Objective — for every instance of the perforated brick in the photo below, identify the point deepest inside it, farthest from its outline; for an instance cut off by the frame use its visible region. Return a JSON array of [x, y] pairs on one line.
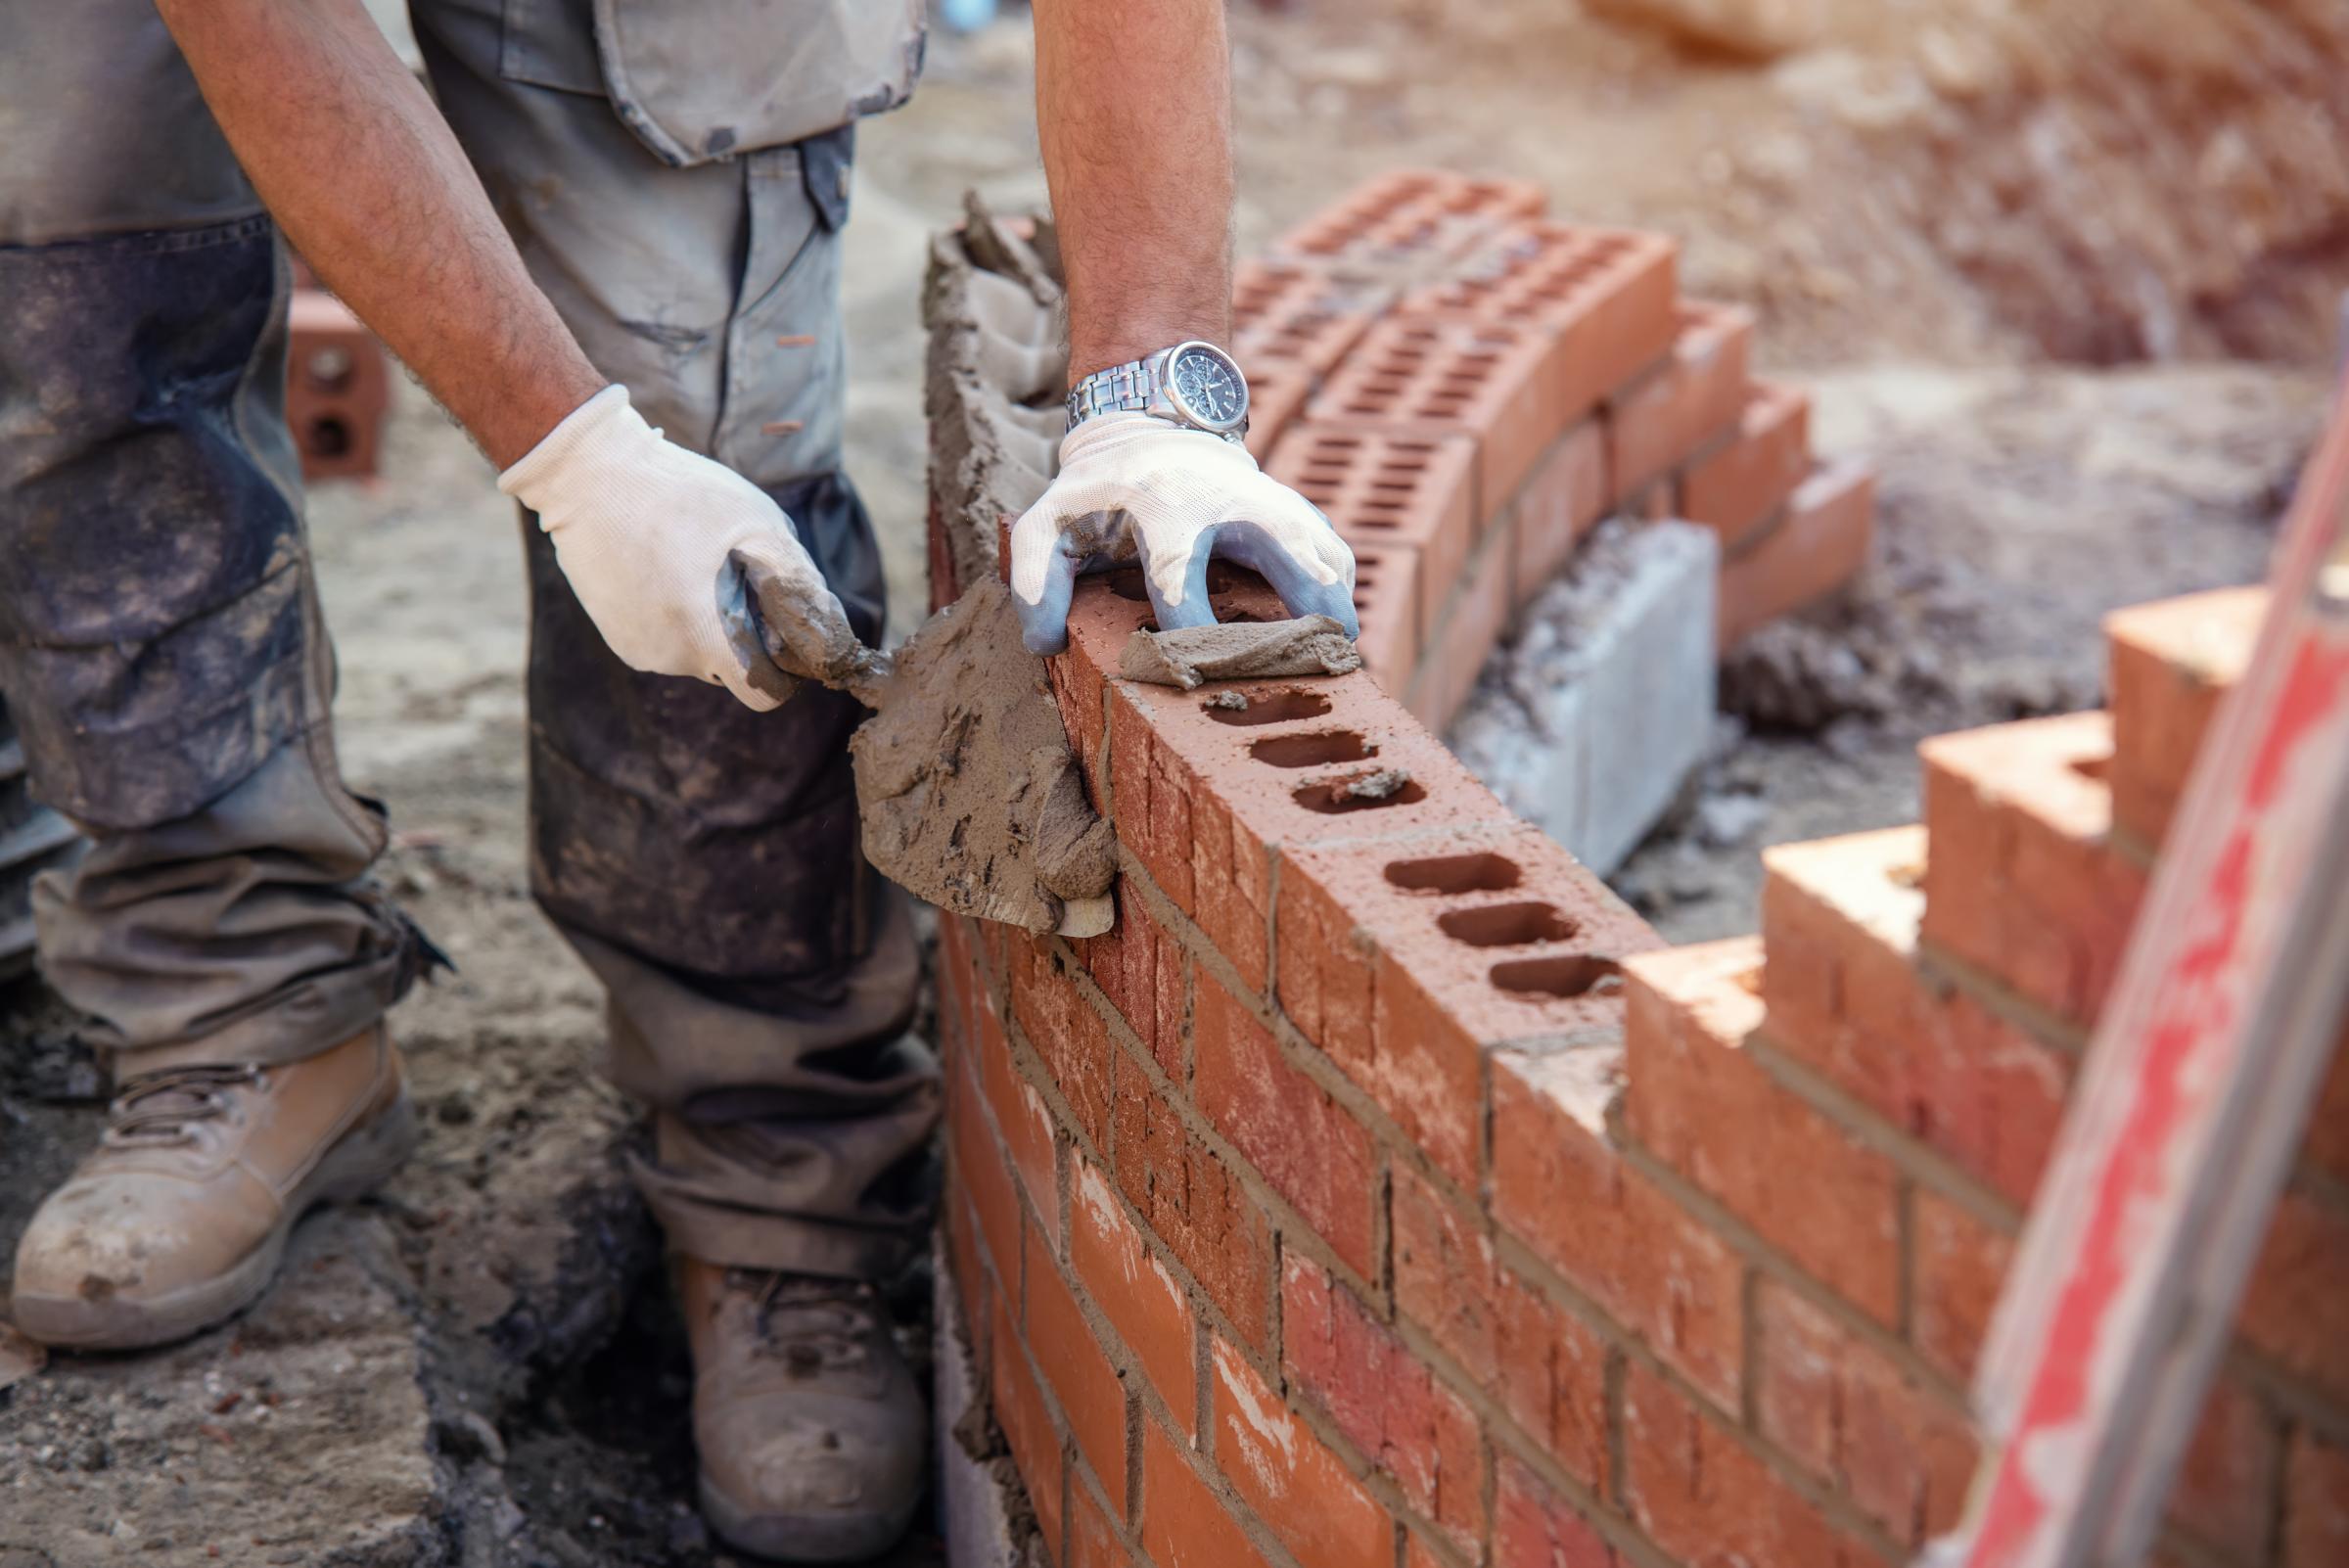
[[1385, 597], [1412, 219], [1300, 314], [1735, 490], [1601, 298], [1430, 379], [1402, 492]]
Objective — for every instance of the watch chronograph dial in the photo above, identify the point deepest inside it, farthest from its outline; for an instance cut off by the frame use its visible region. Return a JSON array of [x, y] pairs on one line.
[[1209, 385]]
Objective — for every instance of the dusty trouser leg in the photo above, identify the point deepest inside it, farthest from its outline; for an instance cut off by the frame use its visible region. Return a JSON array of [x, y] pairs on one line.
[[702, 857], [160, 648], [161, 654]]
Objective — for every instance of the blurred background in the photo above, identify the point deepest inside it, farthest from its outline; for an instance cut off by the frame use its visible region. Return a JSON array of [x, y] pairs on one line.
[[2069, 271]]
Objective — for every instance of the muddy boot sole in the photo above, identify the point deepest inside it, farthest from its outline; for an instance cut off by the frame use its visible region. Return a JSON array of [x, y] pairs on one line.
[[358, 1162]]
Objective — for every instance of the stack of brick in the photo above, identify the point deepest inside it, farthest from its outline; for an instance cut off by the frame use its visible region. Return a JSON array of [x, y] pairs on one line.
[[1380, 1191], [1466, 387]]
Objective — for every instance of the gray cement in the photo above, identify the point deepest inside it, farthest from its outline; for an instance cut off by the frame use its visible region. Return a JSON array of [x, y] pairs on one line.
[[1589, 719]]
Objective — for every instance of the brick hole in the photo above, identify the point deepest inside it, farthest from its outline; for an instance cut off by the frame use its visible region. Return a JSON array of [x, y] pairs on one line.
[[1314, 750], [1507, 925], [1249, 708], [1393, 488], [1127, 583], [1337, 797], [326, 436], [1566, 976], [1485, 872]]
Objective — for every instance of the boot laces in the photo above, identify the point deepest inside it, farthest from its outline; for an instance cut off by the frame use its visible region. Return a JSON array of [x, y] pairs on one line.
[[811, 1322], [161, 1108]]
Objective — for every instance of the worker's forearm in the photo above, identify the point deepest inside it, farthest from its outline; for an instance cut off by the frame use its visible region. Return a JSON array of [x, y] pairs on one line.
[[366, 180], [1133, 102]]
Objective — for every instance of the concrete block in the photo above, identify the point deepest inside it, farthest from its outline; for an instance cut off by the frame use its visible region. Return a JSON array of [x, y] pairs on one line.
[[1588, 721]]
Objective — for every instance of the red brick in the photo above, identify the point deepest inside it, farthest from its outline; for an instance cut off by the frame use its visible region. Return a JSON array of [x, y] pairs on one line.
[[1690, 401], [1192, 1203], [981, 1174], [2327, 1146], [1023, 1121], [1092, 1537], [338, 389], [957, 989], [2022, 882], [1390, 492], [1141, 968], [1406, 963], [1206, 794], [1736, 489], [1090, 1394], [1557, 1183], [2170, 663], [1844, 995], [1307, 1146], [1547, 1367], [1818, 545], [969, 1269], [1404, 219], [1277, 395], [1842, 1406], [2296, 1309], [1290, 1478], [1386, 598], [1384, 1400], [1568, 493], [1183, 1524], [1064, 1029], [2316, 1505], [1604, 299], [1135, 1293], [1533, 1527], [1300, 312], [1019, 1408], [2227, 1486], [1710, 1111], [1703, 1497], [1960, 1264], [1461, 630], [1429, 379]]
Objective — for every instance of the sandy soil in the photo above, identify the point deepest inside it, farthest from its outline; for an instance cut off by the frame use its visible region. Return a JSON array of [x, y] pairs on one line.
[[479, 1369]]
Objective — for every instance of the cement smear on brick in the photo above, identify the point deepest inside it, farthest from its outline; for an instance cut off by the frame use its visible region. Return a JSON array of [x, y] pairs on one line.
[[969, 791], [1592, 717], [1241, 650]]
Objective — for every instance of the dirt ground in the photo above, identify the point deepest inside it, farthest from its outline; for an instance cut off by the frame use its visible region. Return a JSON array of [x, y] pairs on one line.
[[479, 1368]]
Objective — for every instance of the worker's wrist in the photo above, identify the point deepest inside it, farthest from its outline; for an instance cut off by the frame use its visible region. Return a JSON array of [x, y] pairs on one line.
[[531, 413]]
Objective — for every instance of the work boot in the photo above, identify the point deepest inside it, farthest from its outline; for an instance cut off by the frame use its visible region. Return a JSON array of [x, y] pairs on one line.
[[808, 1423], [179, 1220]]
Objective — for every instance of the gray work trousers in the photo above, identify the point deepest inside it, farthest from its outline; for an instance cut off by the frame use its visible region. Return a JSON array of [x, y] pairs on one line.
[[162, 650]]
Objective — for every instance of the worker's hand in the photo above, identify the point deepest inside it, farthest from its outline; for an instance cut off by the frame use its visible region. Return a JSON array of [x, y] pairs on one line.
[[1135, 487], [661, 545]]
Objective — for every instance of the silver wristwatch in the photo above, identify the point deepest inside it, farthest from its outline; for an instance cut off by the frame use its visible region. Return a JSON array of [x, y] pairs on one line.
[[1194, 384]]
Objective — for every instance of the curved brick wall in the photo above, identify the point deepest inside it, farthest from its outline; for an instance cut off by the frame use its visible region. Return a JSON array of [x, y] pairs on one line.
[[1381, 1193]]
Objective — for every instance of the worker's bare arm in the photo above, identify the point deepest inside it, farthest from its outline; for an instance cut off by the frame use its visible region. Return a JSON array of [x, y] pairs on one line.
[[365, 177], [1134, 102]]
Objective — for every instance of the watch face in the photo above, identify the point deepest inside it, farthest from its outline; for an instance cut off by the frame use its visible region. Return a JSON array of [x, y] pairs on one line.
[[1208, 386]]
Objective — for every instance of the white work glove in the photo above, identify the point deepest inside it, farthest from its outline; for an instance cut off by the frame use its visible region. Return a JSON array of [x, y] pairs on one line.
[[662, 546], [1136, 487]]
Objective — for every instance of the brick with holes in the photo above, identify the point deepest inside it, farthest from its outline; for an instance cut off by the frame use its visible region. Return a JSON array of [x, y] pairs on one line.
[[1602, 299], [1277, 392], [1300, 312], [1460, 631], [1567, 494], [1429, 378], [2170, 663], [1211, 784], [1386, 596], [1403, 220], [337, 388], [1407, 962], [1395, 492]]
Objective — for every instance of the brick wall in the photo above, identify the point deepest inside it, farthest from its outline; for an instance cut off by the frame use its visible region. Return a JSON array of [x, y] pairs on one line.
[[1380, 1191]]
